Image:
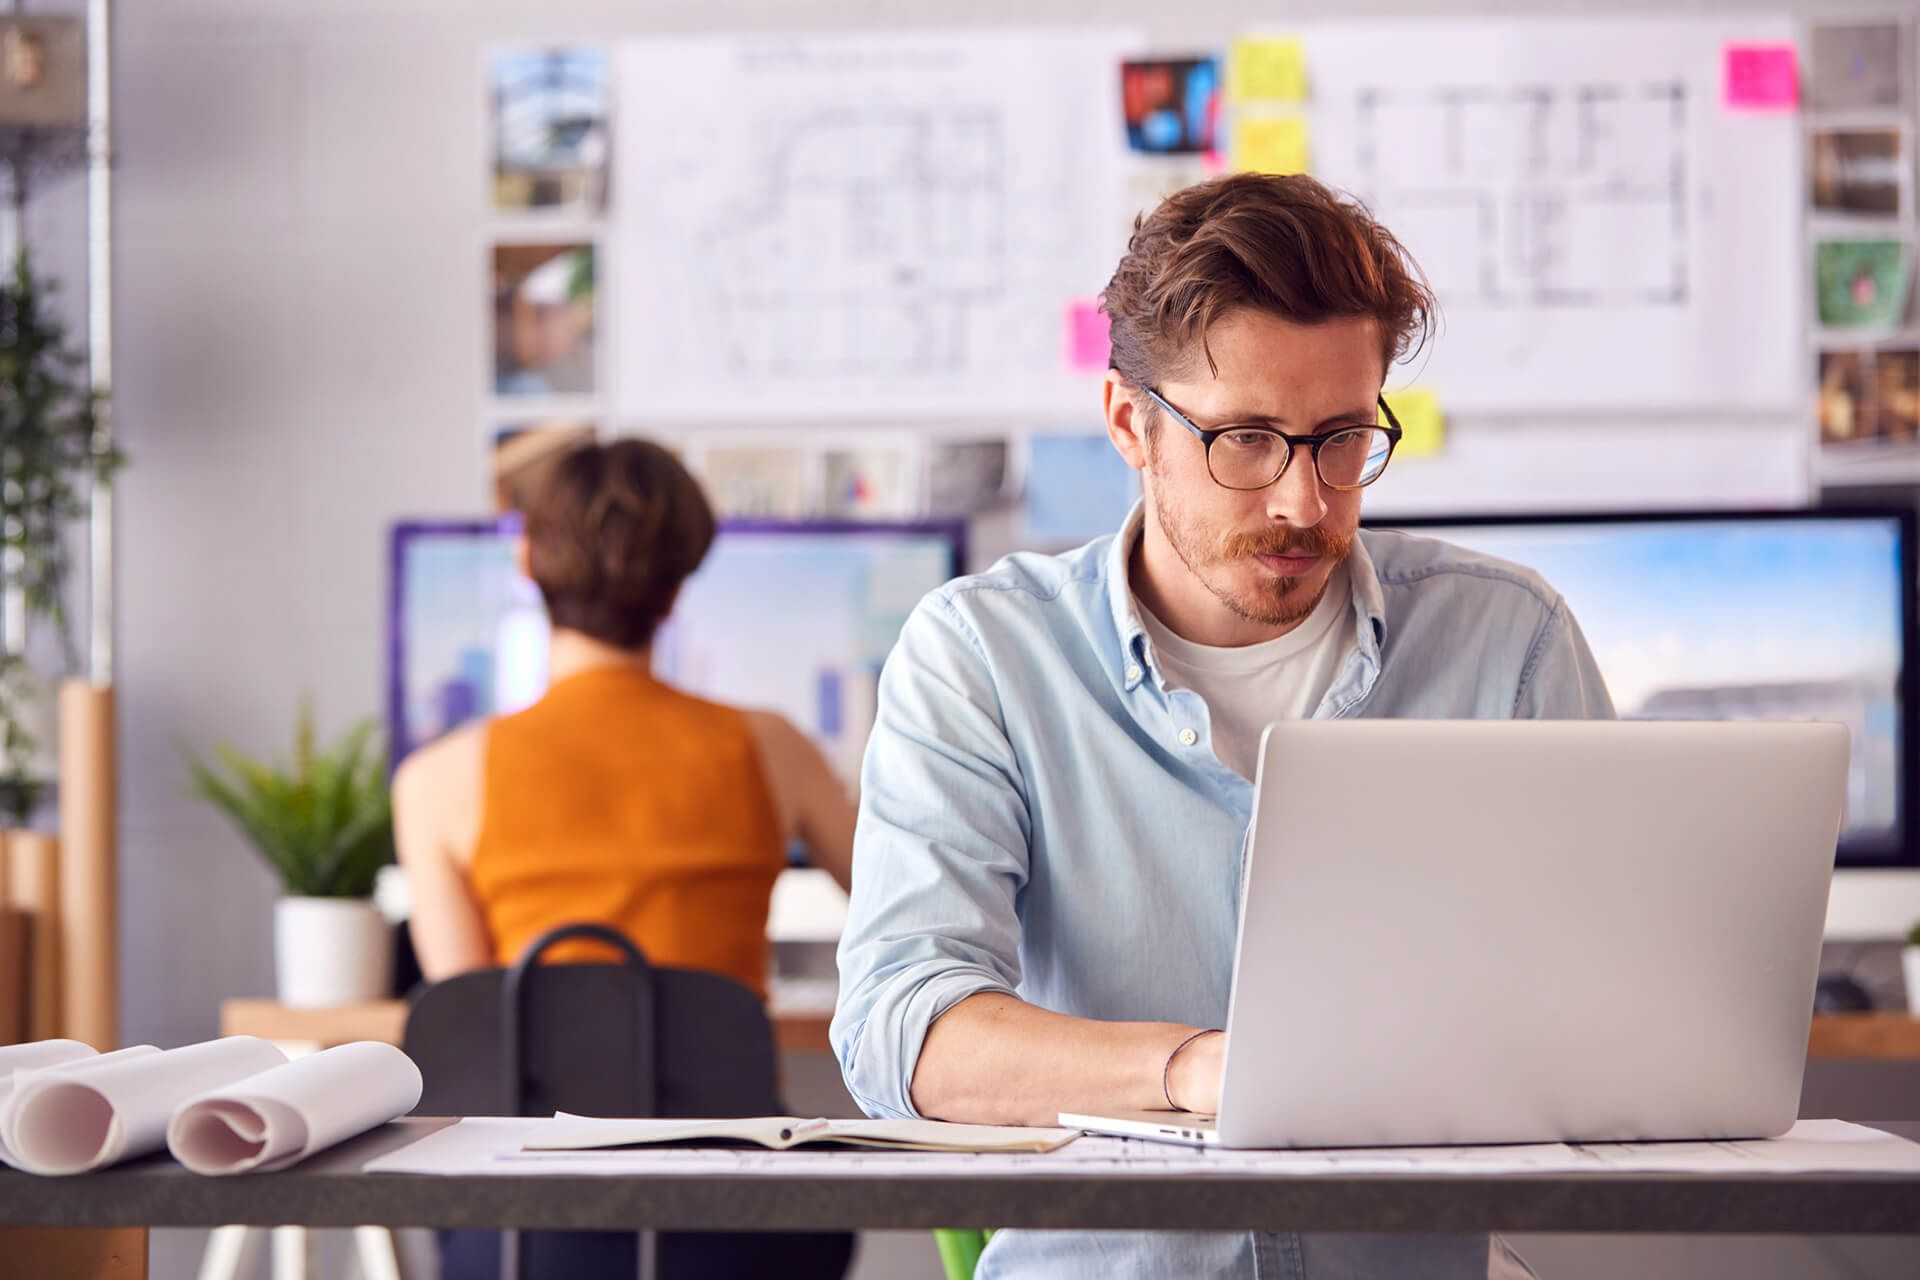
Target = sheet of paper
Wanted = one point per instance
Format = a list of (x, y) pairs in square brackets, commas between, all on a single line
[(893, 221), (1586, 208), (566, 1132), (1422, 424), (496, 1146), (1086, 331), (285, 1114), (75, 1120)]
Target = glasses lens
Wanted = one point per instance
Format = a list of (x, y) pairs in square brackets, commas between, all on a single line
[(1354, 457), (1249, 459)]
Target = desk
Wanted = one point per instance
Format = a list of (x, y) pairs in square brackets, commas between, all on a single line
[(330, 1191), (800, 1019)]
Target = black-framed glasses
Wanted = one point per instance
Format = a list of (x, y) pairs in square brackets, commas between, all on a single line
[(1251, 456)]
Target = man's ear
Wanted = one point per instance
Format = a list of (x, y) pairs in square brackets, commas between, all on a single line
[(1126, 427)]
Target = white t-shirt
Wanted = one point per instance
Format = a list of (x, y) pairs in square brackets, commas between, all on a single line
[(1249, 687)]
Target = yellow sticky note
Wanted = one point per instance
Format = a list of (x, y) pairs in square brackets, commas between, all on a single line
[(1423, 427), (1270, 144), (1266, 70)]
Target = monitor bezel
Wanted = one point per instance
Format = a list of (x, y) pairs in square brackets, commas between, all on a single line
[(1907, 856), (402, 532)]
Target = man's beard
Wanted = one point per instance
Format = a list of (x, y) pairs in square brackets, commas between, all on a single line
[(1273, 603)]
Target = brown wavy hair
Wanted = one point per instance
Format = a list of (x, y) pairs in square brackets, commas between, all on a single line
[(612, 532), (1287, 245)]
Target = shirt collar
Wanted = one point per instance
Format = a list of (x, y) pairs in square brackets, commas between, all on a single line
[(1136, 655)]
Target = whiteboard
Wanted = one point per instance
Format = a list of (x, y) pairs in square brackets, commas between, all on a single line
[(862, 224), (1602, 230)]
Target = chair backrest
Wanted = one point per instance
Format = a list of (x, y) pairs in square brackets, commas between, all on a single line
[(626, 1039)]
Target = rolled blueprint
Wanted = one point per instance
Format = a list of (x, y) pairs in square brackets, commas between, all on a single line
[(285, 1114), (73, 1121), (62, 1061), (38, 1054)]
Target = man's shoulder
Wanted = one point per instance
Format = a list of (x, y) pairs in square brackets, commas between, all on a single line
[(1026, 583), (1410, 564)]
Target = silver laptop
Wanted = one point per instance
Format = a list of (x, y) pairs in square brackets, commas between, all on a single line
[(1523, 931)]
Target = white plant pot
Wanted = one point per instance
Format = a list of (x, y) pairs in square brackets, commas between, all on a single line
[(330, 951), (1910, 964)]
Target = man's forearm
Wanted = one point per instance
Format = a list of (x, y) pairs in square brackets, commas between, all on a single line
[(995, 1059)]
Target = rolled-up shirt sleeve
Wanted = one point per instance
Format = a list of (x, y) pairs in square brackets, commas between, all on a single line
[(940, 855)]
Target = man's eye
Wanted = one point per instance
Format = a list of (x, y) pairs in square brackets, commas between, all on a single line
[(1250, 439)]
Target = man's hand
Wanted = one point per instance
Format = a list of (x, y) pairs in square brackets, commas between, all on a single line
[(1193, 1077)]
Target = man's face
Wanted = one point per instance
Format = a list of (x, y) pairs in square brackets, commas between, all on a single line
[(1265, 555)]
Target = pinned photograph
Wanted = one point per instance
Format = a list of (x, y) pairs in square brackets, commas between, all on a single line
[(543, 320), (1856, 65), (524, 456), (1171, 105), (753, 480), (965, 477), (869, 482), (1858, 170), (550, 144), (1868, 395), (1862, 284)]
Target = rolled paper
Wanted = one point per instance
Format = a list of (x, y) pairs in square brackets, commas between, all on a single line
[(284, 1115), (41, 1053), (65, 1122), (74, 1064)]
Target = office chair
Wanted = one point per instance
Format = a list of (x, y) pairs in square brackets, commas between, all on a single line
[(624, 1039)]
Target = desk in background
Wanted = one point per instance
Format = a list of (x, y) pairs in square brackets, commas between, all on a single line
[(801, 1012)]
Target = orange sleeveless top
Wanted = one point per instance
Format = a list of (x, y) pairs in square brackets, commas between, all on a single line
[(618, 800)]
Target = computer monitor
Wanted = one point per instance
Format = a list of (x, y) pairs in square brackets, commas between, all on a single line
[(1745, 615), (789, 617)]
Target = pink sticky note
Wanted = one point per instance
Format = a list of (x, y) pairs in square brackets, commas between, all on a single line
[(1086, 337), (1762, 77)]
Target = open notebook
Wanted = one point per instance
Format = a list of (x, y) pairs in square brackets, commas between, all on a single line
[(778, 1133)]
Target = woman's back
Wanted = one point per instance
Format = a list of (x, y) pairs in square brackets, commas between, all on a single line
[(619, 800)]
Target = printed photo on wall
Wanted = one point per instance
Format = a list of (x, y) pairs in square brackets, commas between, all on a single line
[(966, 477), (523, 457), (543, 320), (1862, 284), (869, 481), (1868, 395), (747, 479), (550, 114), (1858, 170), (1856, 65), (1171, 105)]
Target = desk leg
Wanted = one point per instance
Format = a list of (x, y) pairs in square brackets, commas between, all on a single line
[(378, 1261), (292, 1250), (230, 1253), (75, 1253)]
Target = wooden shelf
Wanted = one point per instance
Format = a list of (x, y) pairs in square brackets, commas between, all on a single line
[(1887, 1036)]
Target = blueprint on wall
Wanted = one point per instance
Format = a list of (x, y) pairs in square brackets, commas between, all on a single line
[(1603, 230), (863, 224)]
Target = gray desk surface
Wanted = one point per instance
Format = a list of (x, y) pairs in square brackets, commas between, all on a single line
[(329, 1190)]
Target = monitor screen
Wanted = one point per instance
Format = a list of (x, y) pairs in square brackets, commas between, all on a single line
[(795, 618), (1801, 615)]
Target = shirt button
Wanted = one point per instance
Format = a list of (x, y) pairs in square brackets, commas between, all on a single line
[(1188, 737), (1133, 673)]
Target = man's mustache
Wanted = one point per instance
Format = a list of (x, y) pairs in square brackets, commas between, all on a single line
[(1286, 542)]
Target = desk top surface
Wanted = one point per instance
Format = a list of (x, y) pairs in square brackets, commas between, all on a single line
[(330, 1190)]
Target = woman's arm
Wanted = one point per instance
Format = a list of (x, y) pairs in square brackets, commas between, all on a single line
[(436, 818), (813, 803)]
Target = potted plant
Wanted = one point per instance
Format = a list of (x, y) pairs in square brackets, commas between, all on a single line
[(49, 453), (324, 824), (1910, 967)]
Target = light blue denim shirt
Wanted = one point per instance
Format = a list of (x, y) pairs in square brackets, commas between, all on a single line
[(1033, 822)]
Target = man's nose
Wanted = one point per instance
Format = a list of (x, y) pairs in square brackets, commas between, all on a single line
[(1295, 496)]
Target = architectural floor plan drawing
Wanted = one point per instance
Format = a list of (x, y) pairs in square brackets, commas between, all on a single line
[(872, 224), (1551, 195), (875, 236)]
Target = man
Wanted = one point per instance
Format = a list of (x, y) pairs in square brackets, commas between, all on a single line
[(1048, 854)]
